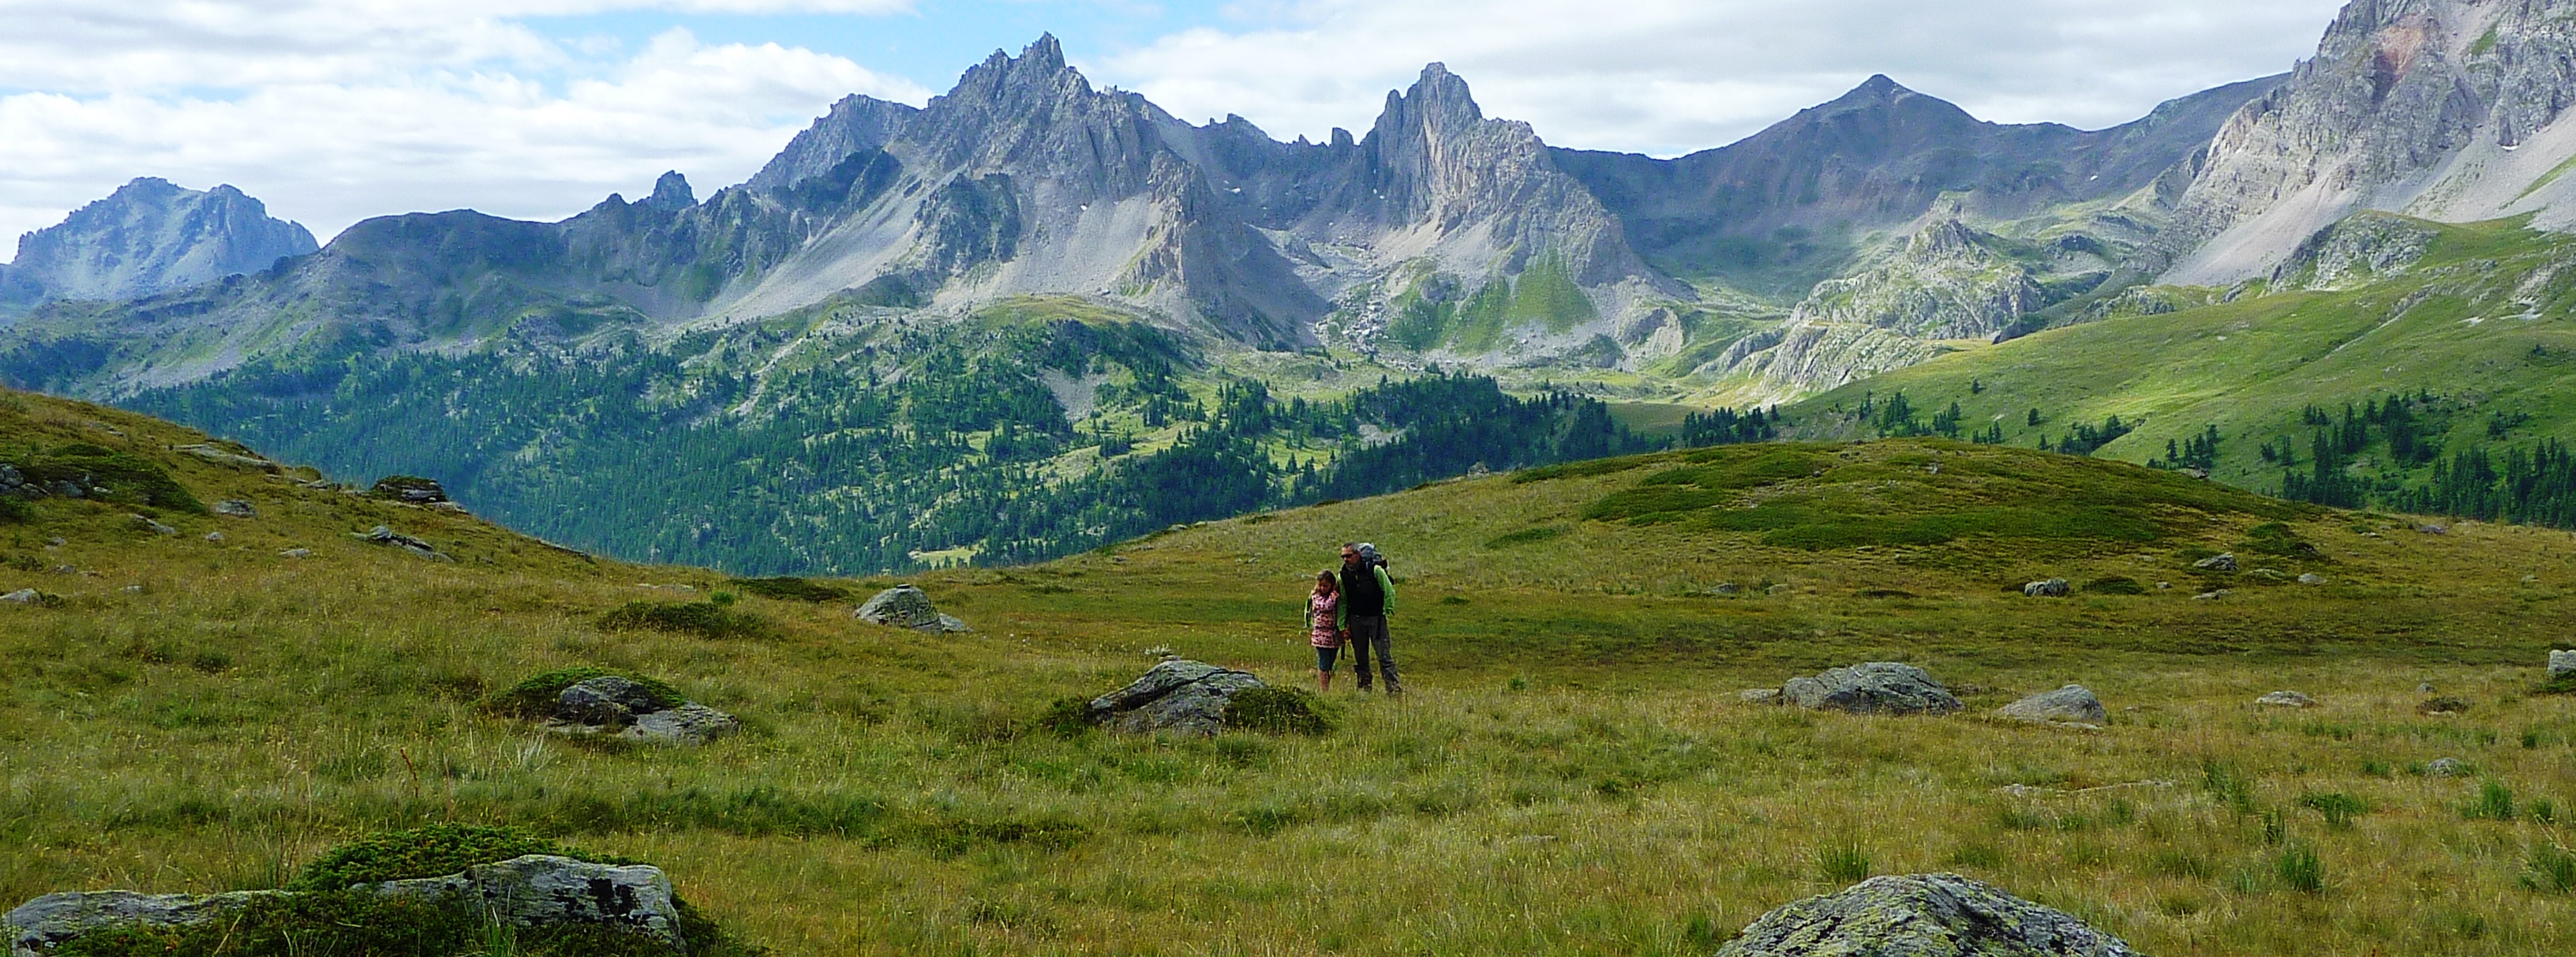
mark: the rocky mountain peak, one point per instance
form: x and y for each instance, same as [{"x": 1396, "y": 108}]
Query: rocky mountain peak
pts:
[
  {"x": 1437, "y": 100},
  {"x": 1038, "y": 73},
  {"x": 671, "y": 192},
  {"x": 152, "y": 235},
  {"x": 856, "y": 124}
]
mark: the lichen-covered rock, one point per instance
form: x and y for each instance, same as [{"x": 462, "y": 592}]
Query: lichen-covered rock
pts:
[
  {"x": 2447, "y": 768},
  {"x": 544, "y": 889},
  {"x": 907, "y": 606},
  {"x": 2073, "y": 703},
  {"x": 58, "y": 918},
  {"x": 1183, "y": 697},
  {"x": 606, "y": 700},
  {"x": 688, "y": 724},
  {"x": 235, "y": 508},
  {"x": 2217, "y": 563},
  {"x": 1922, "y": 915},
  {"x": 2562, "y": 663},
  {"x": 2052, "y": 588},
  {"x": 1877, "y": 687},
  {"x": 2286, "y": 699},
  {"x": 385, "y": 535},
  {"x": 613, "y": 705}
]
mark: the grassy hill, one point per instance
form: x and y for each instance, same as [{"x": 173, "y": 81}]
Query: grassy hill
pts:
[
  {"x": 1572, "y": 773},
  {"x": 2465, "y": 328}
]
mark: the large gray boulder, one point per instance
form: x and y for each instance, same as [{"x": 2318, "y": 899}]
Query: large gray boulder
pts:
[
  {"x": 1877, "y": 687},
  {"x": 907, "y": 606},
  {"x": 688, "y": 724},
  {"x": 2562, "y": 663},
  {"x": 607, "y": 700},
  {"x": 58, "y": 918},
  {"x": 2217, "y": 563},
  {"x": 543, "y": 889},
  {"x": 1921, "y": 915},
  {"x": 623, "y": 707},
  {"x": 2052, "y": 588},
  {"x": 1180, "y": 696},
  {"x": 2070, "y": 704}
]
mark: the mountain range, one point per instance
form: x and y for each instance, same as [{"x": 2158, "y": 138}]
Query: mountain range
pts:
[{"x": 1880, "y": 231}]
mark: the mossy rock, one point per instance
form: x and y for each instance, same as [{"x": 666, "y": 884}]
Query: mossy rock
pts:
[
  {"x": 534, "y": 698},
  {"x": 422, "y": 852}
]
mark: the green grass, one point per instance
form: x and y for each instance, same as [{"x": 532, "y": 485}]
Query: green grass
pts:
[{"x": 1569, "y": 772}]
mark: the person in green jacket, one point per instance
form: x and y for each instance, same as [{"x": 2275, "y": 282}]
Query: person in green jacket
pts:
[{"x": 1368, "y": 597}]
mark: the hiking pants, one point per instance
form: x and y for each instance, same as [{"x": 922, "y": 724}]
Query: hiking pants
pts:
[{"x": 1369, "y": 632}]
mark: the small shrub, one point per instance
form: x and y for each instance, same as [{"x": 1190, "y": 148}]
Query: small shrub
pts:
[
  {"x": 791, "y": 588},
  {"x": 1066, "y": 718},
  {"x": 705, "y": 619},
  {"x": 1842, "y": 863},
  {"x": 2114, "y": 585},
  {"x": 2549, "y": 868},
  {"x": 1278, "y": 711},
  {"x": 535, "y": 697},
  {"x": 2300, "y": 869},
  {"x": 2494, "y": 802},
  {"x": 13, "y": 510},
  {"x": 2339, "y": 808},
  {"x": 430, "y": 851}
]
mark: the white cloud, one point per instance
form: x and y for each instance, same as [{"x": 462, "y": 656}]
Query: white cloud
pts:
[{"x": 1671, "y": 76}]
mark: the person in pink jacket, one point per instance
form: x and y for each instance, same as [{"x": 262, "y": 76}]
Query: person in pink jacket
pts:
[{"x": 1324, "y": 627}]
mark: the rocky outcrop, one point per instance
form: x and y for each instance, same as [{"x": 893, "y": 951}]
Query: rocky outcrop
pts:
[
  {"x": 386, "y": 536},
  {"x": 2072, "y": 704},
  {"x": 623, "y": 707},
  {"x": 2363, "y": 248},
  {"x": 2286, "y": 699},
  {"x": 409, "y": 489},
  {"x": 1923, "y": 915},
  {"x": 907, "y": 606},
  {"x": 1877, "y": 687},
  {"x": 2051, "y": 588},
  {"x": 532, "y": 891},
  {"x": 152, "y": 236},
  {"x": 2562, "y": 663},
  {"x": 2447, "y": 109},
  {"x": 1179, "y": 696},
  {"x": 1943, "y": 283}
]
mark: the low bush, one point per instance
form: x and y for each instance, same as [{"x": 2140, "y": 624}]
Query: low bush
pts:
[
  {"x": 535, "y": 697},
  {"x": 705, "y": 619},
  {"x": 431, "y": 851},
  {"x": 1278, "y": 711},
  {"x": 791, "y": 588},
  {"x": 14, "y": 510}
]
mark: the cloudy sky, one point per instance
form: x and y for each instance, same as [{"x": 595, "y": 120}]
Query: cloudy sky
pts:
[{"x": 336, "y": 110}]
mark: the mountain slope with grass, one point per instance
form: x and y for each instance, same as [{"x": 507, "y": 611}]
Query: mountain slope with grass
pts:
[
  {"x": 1571, "y": 771},
  {"x": 2394, "y": 362}
]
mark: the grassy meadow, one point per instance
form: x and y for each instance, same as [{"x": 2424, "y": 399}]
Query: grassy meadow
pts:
[{"x": 1571, "y": 773}]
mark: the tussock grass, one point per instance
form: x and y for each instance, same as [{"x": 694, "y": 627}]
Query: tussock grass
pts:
[{"x": 1570, "y": 771}]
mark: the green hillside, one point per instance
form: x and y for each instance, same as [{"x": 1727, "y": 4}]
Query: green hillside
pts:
[
  {"x": 1572, "y": 771},
  {"x": 2425, "y": 377}
]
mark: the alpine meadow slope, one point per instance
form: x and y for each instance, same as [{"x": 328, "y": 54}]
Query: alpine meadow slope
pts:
[{"x": 1571, "y": 772}]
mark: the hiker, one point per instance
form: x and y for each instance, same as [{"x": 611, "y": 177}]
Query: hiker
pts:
[
  {"x": 1324, "y": 627},
  {"x": 1367, "y": 598}
]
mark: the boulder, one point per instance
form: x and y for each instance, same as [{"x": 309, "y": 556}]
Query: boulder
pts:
[
  {"x": 2561, "y": 664},
  {"x": 688, "y": 724},
  {"x": 385, "y": 535},
  {"x": 1921, "y": 915},
  {"x": 1877, "y": 687},
  {"x": 1184, "y": 697},
  {"x": 2072, "y": 703},
  {"x": 2217, "y": 563},
  {"x": 235, "y": 508},
  {"x": 2286, "y": 699},
  {"x": 2052, "y": 588},
  {"x": 411, "y": 489},
  {"x": 543, "y": 889},
  {"x": 906, "y": 606},
  {"x": 24, "y": 596},
  {"x": 2447, "y": 768},
  {"x": 607, "y": 700},
  {"x": 146, "y": 523},
  {"x": 2311, "y": 578},
  {"x": 296, "y": 553},
  {"x": 53, "y": 919},
  {"x": 1759, "y": 696}
]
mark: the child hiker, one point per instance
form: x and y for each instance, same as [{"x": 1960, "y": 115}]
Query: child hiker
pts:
[{"x": 1324, "y": 627}]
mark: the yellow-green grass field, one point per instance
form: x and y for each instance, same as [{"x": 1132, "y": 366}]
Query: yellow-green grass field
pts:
[{"x": 1572, "y": 771}]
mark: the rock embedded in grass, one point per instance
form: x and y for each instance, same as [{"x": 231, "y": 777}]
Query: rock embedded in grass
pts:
[
  {"x": 2561, "y": 663},
  {"x": 2072, "y": 704},
  {"x": 2052, "y": 588},
  {"x": 907, "y": 606},
  {"x": 626, "y": 708},
  {"x": 2447, "y": 768},
  {"x": 1876, "y": 687},
  {"x": 235, "y": 508},
  {"x": 1183, "y": 697},
  {"x": 2225, "y": 562},
  {"x": 2444, "y": 705},
  {"x": 2311, "y": 578},
  {"x": 1933, "y": 915},
  {"x": 2286, "y": 699},
  {"x": 146, "y": 523},
  {"x": 39, "y": 925},
  {"x": 385, "y": 535}
]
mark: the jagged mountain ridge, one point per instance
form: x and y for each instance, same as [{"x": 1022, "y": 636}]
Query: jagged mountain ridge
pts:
[{"x": 149, "y": 236}]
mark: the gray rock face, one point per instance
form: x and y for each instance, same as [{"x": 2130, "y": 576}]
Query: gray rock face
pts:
[
  {"x": 2562, "y": 663},
  {"x": 2217, "y": 563},
  {"x": 2286, "y": 699},
  {"x": 40, "y": 924},
  {"x": 1183, "y": 697},
  {"x": 2052, "y": 588},
  {"x": 1924, "y": 915},
  {"x": 1877, "y": 687},
  {"x": 1942, "y": 284},
  {"x": 151, "y": 236},
  {"x": 907, "y": 606},
  {"x": 542, "y": 889},
  {"x": 2072, "y": 703}
]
